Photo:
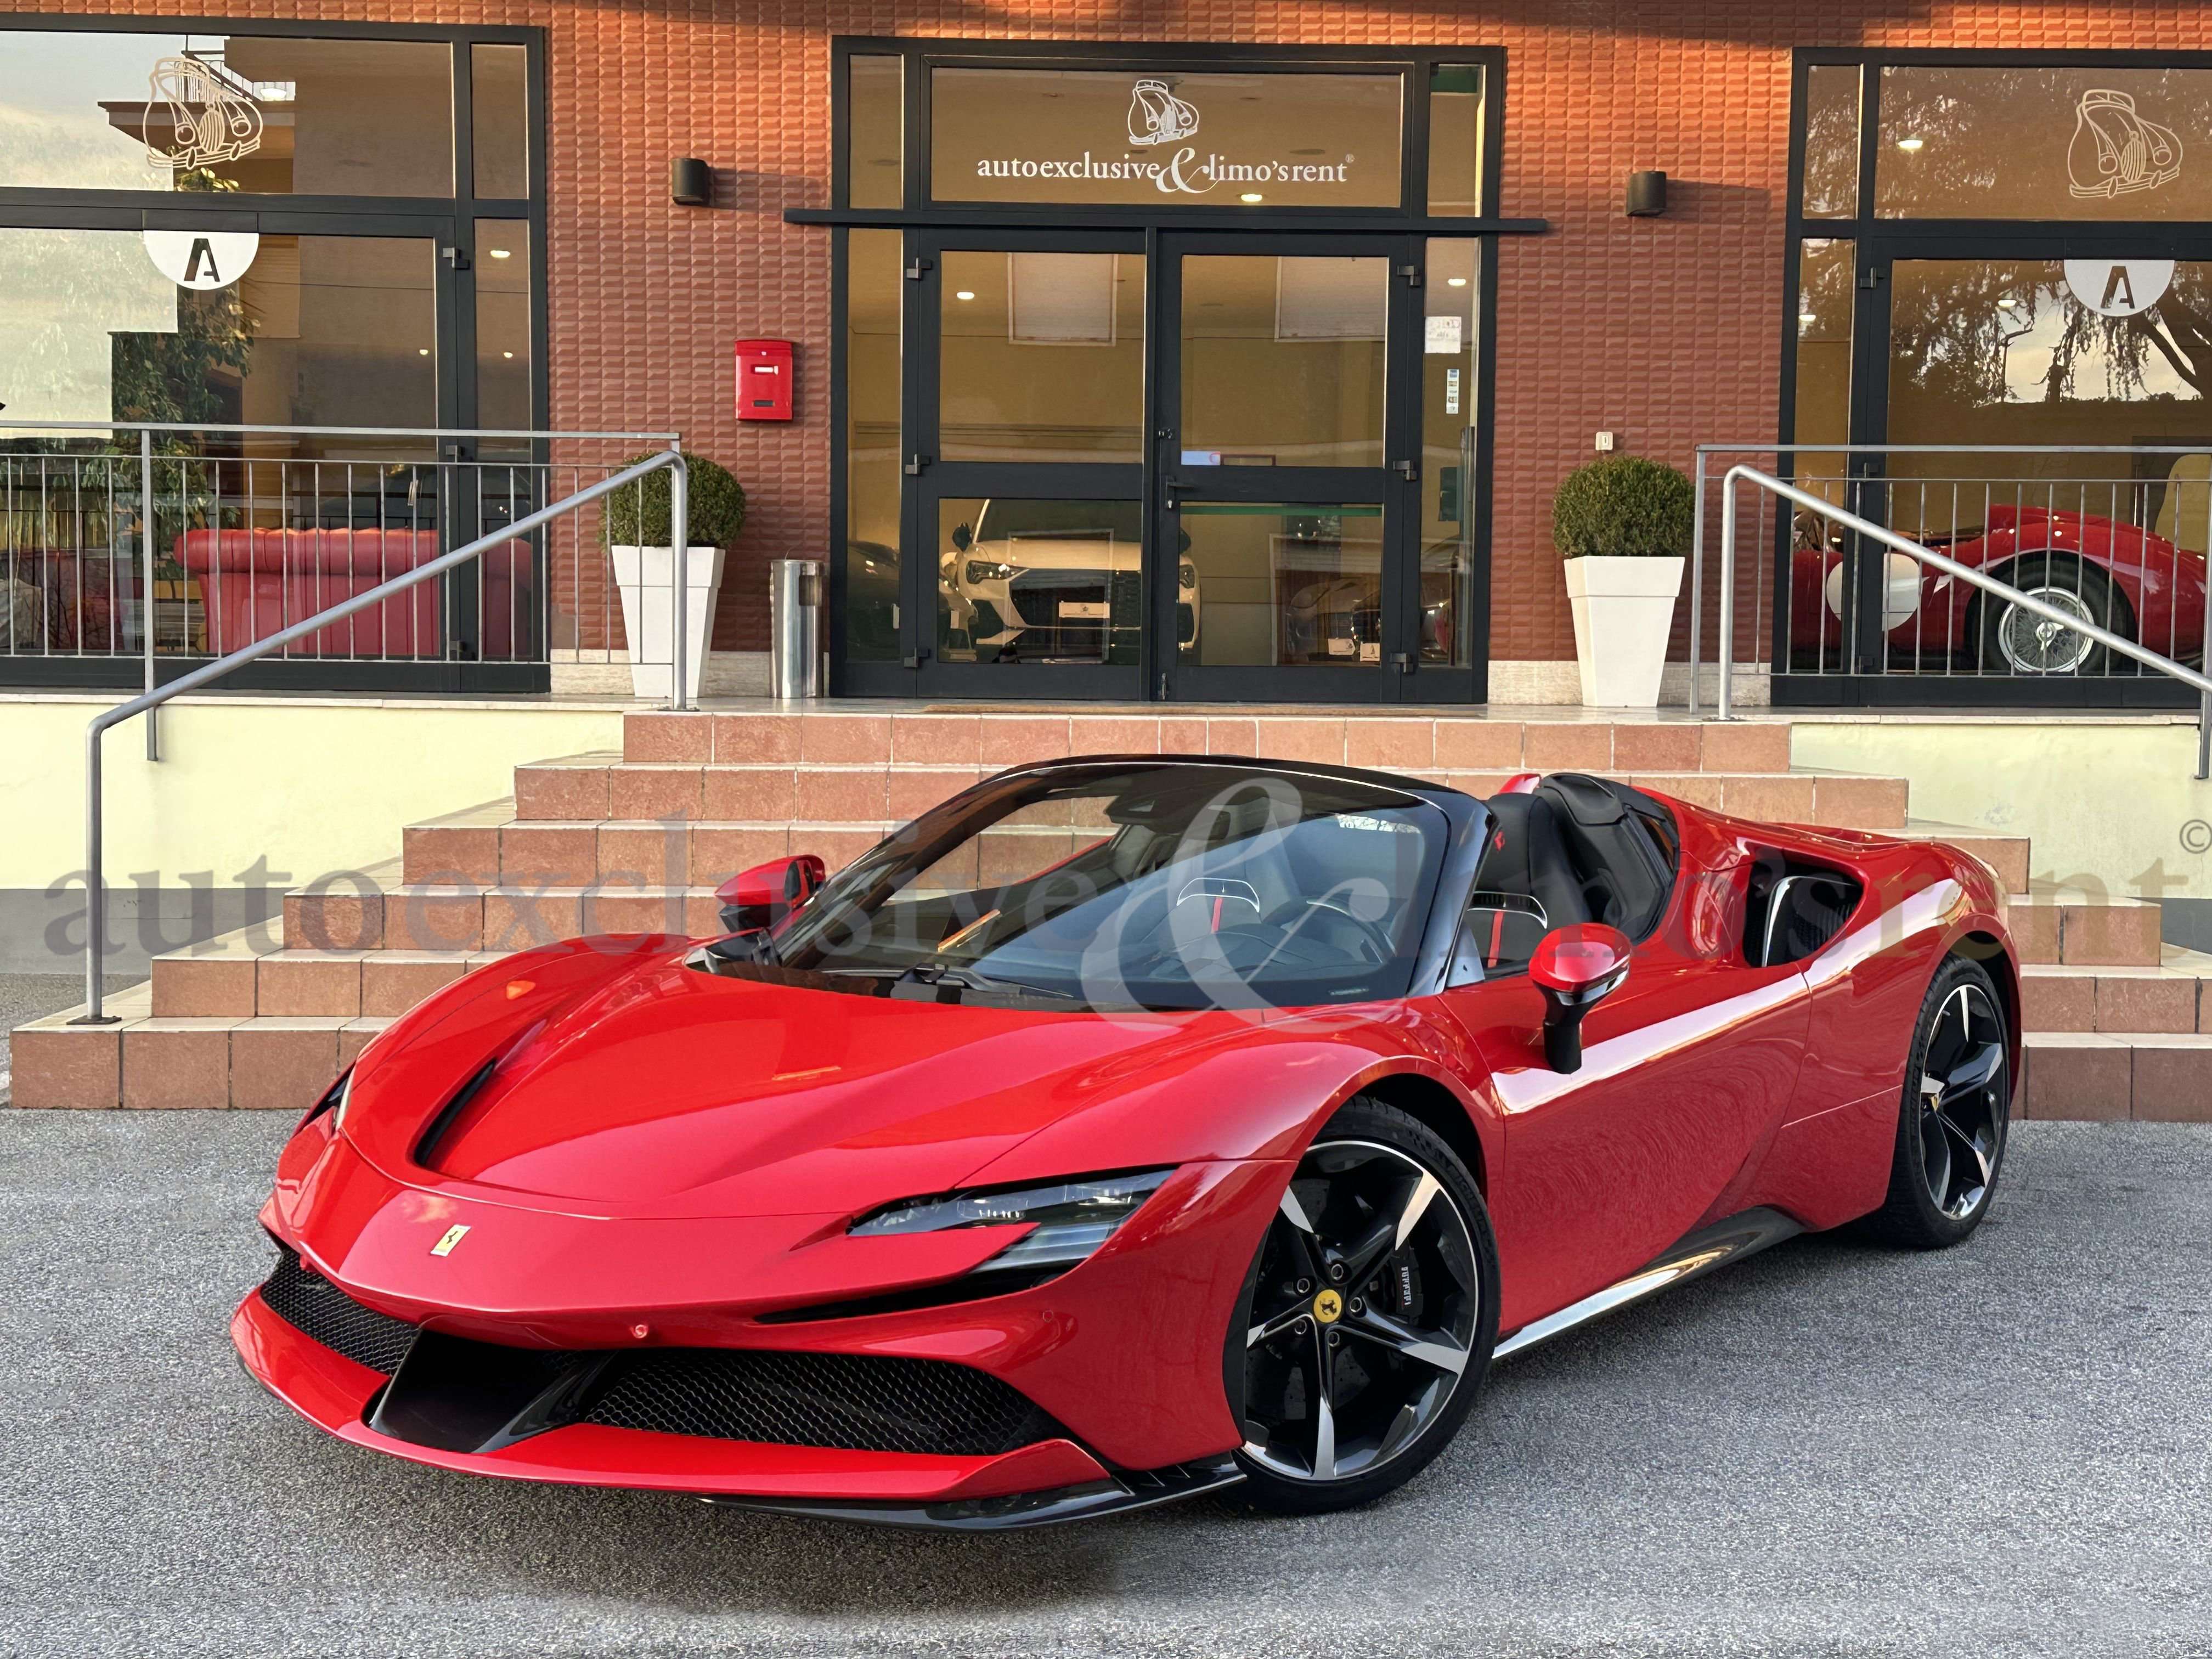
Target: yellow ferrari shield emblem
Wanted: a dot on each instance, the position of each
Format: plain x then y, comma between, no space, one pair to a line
453,1236
1329,1306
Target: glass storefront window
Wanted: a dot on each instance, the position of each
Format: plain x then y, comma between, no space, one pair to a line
1455,139
1831,140
872,298
1033,580
1281,585
1092,136
2041,141
263,114
302,330
875,113
2039,351
1042,356
502,270
1449,472
1283,359
499,119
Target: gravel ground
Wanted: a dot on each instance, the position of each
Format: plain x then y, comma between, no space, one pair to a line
1832,1449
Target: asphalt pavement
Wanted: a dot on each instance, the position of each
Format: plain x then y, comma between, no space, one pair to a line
1832,1449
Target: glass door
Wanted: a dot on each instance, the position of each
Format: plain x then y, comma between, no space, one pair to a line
1289,458
1025,467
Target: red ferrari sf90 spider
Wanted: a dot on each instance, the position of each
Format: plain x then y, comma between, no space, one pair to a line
1123,1128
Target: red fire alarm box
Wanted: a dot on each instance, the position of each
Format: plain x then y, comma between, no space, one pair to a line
764,380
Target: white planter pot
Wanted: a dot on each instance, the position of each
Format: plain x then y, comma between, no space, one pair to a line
647,578
1624,611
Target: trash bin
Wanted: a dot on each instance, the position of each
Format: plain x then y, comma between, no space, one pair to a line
797,591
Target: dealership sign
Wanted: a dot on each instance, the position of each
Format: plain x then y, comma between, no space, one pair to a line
1156,119
1093,137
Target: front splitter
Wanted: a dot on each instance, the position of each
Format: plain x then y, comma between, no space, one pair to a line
1118,1493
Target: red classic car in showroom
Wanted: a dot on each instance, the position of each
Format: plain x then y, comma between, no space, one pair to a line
1123,1128
2125,579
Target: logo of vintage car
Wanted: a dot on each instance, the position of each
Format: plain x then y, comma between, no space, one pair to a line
1157,116
2115,151
452,1235
1329,1306
210,117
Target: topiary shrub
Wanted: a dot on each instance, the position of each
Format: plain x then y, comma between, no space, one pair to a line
1623,506
637,515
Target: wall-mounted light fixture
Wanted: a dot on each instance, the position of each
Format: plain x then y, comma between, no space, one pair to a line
690,182
1647,195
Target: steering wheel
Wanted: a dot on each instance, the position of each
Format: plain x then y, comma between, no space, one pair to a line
1331,925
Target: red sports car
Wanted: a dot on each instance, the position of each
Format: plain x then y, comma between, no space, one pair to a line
2125,579
1123,1128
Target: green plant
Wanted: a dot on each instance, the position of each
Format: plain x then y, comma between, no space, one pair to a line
637,514
1623,506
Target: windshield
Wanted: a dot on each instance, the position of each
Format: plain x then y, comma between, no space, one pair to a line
1154,884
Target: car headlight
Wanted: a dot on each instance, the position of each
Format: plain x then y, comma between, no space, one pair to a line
987,570
1068,1219
1187,576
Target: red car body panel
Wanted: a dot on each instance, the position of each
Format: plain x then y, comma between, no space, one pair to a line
666,1157
2163,584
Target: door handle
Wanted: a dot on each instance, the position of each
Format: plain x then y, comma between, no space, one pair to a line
915,660
1409,470
1405,661
914,465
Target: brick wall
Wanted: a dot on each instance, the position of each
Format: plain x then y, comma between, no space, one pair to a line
1664,330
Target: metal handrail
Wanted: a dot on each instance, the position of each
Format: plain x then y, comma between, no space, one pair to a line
1811,447
679,516
1928,555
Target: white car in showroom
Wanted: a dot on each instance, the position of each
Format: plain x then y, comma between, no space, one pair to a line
1053,582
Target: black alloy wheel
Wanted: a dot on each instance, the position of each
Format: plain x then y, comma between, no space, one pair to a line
1370,1315
1958,1101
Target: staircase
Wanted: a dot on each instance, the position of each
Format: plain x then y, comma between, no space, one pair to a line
2117,1026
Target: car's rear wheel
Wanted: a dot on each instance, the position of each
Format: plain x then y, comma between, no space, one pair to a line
2016,641
1368,1318
1951,1122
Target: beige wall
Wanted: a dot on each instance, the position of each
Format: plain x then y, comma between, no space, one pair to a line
316,785
2106,801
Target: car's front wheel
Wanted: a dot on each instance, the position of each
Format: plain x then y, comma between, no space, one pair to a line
1368,1318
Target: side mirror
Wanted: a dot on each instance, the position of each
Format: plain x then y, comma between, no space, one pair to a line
1576,967
762,895
962,536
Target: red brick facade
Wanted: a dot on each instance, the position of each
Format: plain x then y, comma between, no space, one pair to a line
1665,331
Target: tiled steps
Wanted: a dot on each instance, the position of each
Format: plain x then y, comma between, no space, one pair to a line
634,841
1404,742
2137,1043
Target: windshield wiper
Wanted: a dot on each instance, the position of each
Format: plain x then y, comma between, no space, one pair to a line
945,973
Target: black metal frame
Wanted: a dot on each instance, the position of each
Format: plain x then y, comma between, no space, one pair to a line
447,221
1163,230
1878,243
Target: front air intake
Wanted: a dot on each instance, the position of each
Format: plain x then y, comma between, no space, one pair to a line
319,1311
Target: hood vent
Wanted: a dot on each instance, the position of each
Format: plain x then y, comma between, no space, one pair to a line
426,1148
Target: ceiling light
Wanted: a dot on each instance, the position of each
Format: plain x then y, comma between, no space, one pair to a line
1806,317
1910,143
1250,196
421,351
502,253
507,354
1454,281
965,293
2008,303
